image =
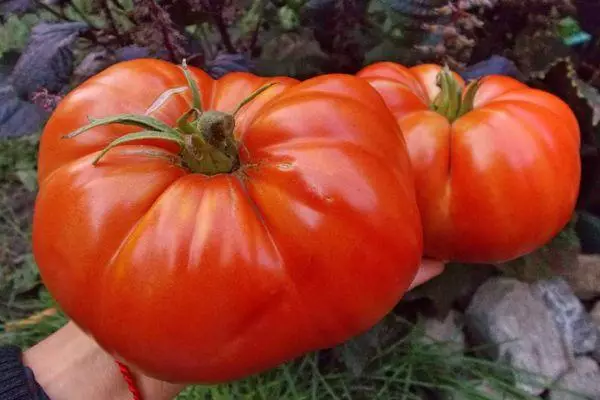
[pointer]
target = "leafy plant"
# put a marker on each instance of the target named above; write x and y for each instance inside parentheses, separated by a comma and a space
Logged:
(440, 31)
(14, 32)
(18, 272)
(544, 263)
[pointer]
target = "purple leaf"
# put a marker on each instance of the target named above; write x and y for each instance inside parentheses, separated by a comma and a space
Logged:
(225, 63)
(18, 117)
(132, 52)
(495, 65)
(15, 6)
(47, 61)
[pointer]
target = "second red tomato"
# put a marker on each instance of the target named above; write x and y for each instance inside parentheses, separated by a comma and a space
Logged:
(496, 164)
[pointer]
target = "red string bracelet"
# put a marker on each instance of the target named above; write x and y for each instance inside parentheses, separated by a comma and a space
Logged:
(128, 376)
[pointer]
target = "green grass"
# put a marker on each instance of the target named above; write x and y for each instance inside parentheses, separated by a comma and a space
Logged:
(403, 367)
(18, 154)
(19, 278)
(413, 374)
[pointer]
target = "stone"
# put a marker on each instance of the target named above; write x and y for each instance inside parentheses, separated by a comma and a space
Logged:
(484, 389)
(574, 323)
(514, 326)
(595, 314)
(455, 286)
(582, 382)
(583, 276)
(448, 330)
(356, 353)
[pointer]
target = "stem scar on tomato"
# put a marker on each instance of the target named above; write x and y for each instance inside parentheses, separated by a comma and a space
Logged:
(205, 138)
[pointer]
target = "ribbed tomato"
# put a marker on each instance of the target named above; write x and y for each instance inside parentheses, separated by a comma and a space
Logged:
(497, 165)
(195, 255)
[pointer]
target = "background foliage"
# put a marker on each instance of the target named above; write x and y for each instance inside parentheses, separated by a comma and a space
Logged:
(47, 47)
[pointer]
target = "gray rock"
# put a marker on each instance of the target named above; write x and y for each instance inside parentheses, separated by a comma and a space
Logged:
(574, 323)
(456, 285)
(487, 390)
(582, 382)
(583, 276)
(448, 330)
(357, 352)
(595, 314)
(515, 326)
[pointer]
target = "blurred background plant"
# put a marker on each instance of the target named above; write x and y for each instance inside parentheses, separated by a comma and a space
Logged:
(47, 47)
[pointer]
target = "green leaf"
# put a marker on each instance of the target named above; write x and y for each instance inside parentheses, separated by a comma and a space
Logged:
(125, 119)
(26, 276)
(546, 261)
(591, 95)
(85, 6)
(251, 97)
(561, 78)
(28, 178)
(15, 31)
(196, 99)
(386, 50)
(251, 18)
(288, 18)
(295, 54)
(139, 136)
(535, 50)
(17, 154)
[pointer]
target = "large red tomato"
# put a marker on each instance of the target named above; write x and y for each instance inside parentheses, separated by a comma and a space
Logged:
(194, 268)
(497, 165)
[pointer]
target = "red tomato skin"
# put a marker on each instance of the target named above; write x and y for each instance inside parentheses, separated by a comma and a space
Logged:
(195, 278)
(498, 182)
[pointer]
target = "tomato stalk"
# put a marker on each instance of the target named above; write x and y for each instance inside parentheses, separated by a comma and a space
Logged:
(205, 138)
(452, 102)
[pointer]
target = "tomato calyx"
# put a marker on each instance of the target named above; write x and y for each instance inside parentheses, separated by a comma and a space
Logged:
(208, 144)
(453, 102)
(205, 138)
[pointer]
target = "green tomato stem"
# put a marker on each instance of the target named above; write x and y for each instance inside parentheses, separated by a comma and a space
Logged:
(196, 99)
(451, 102)
(205, 138)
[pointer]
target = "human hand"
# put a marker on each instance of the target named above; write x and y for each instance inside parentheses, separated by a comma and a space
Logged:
(428, 270)
(70, 365)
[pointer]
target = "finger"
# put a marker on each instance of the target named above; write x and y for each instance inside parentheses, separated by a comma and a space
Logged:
(429, 269)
